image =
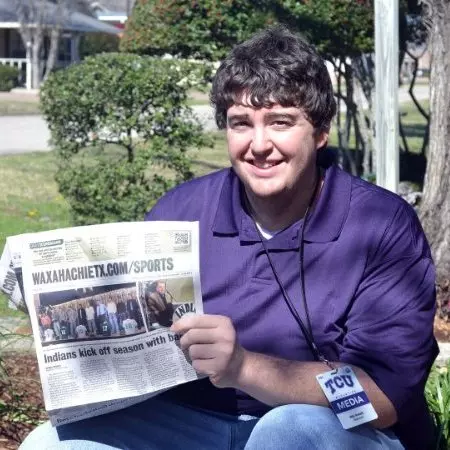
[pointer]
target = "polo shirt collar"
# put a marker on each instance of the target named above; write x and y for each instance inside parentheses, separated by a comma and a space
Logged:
(324, 225)
(328, 217)
(229, 207)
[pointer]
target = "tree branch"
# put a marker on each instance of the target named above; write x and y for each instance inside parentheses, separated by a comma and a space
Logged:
(411, 90)
(402, 134)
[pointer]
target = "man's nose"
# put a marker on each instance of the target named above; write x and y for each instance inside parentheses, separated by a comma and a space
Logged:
(261, 142)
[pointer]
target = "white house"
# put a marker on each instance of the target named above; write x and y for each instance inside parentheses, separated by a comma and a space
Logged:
(14, 53)
(114, 12)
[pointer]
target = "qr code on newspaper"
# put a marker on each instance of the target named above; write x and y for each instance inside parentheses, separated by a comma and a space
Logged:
(182, 238)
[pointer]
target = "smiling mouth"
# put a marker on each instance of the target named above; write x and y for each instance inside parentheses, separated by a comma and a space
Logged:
(264, 164)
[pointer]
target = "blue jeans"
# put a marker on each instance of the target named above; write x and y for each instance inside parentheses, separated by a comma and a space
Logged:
(158, 424)
(113, 321)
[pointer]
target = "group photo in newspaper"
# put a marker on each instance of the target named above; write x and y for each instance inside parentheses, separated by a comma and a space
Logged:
(112, 310)
(101, 300)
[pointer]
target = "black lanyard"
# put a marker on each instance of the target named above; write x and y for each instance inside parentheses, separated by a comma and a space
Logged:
(306, 329)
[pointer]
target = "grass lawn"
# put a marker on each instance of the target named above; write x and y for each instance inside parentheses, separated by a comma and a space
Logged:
(29, 200)
(10, 107)
(414, 126)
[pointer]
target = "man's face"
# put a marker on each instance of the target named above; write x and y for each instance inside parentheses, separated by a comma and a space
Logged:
(161, 288)
(273, 150)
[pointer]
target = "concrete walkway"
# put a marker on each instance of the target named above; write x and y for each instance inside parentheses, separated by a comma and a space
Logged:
(21, 134)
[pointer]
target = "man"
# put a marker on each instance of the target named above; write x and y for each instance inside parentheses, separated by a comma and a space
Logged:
(112, 313)
(160, 309)
(81, 331)
(45, 321)
(81, 315)
(49, 334)
(72, 315)
(105, 327)
(90, 317)
(64, 322)
(132, 307)
(121, 310)
(130, 326)
(101, 312)
(56, 322)
(302, 267)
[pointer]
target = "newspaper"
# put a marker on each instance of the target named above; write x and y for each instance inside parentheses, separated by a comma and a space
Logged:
(101, 300)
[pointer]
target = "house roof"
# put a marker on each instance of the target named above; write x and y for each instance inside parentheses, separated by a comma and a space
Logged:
(82, 22)
(72, 21)
(6, 13)
(117, 6)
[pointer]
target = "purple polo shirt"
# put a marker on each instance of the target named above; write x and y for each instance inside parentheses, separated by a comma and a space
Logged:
(369, 280)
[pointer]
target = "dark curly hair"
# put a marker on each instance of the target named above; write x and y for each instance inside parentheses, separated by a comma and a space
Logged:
(275, 66)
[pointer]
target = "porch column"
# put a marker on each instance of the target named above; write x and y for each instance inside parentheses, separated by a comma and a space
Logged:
(28, 67)
(74, 47)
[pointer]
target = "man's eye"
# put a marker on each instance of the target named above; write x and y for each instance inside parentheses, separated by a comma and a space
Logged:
(241, 124)
(281, 123)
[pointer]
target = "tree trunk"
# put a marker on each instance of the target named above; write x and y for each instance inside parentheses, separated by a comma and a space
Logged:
(365, 129)
(364, 76)
(348, 157)
(349, 116)
(34, 18)
(36, 63)
(435, 207)
(55, 35)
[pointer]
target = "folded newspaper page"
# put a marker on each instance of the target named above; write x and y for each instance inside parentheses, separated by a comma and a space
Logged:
(101, 299)
(10, 269)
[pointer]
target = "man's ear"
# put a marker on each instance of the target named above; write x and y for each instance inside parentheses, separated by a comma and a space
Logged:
(321, 137)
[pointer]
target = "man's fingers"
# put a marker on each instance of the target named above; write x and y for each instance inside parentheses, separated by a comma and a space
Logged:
(204, 366)
(199, 321)
(199, 336)
(202, 351)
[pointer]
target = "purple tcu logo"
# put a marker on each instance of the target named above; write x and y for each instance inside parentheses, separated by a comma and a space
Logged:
(338, 382)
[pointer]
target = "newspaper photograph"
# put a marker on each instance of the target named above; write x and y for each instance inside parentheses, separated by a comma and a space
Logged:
(101, 299)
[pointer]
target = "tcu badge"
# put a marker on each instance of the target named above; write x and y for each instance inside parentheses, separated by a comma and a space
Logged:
(181, 310)
(347, 397)
(338, 382)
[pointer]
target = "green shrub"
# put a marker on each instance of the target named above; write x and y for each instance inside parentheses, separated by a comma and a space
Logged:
(121, 129)
(8, 77)
(192, 29)
(438, 397)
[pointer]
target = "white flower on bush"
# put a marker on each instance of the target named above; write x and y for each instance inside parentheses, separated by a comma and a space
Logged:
(183, 82)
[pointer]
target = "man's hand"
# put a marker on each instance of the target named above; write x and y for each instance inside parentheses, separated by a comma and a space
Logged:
(214, 350)
(212, 345)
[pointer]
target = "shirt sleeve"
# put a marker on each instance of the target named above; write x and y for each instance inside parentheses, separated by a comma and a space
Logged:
(390, 324)
(164, 208)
